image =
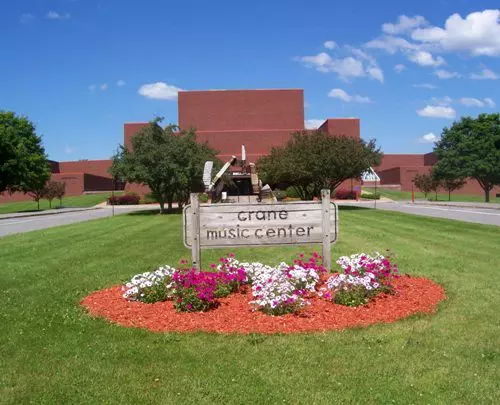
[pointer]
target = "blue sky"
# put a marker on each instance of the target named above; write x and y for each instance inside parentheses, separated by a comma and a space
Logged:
(81, 68)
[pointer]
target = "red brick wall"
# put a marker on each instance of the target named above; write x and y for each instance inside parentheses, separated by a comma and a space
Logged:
(75, 182)
(399, 160)
(241, 110)
(390, 176)
(129, 130)
(97, 183)
(95, 167)
(342, 126)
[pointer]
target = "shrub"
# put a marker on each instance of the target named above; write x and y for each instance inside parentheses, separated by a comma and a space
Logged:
(126, 199)
(280, 194)
(203, 198)
(372, 196)
(344, 194)
(292, 192)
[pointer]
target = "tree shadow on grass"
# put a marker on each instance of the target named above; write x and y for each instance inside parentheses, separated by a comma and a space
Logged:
(175, 211)
(352, 208)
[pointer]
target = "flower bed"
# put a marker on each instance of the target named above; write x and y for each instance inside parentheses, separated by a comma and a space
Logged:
(252, 297)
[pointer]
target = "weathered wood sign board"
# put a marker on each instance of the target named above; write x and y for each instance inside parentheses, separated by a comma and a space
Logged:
(260, 224)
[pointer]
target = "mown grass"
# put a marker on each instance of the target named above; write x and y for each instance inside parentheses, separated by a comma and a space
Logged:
(84, 200)
(406, 195)
(53, 353)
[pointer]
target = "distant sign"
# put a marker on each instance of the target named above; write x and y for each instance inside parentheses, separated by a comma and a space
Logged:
(260, 224)
(370, 175)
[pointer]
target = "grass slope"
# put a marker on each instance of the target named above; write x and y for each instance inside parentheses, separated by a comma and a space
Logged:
(84, 200)
(52, 352)
(406, 195)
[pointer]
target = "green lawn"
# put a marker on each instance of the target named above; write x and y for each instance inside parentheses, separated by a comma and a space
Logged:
(53, 353)
(84, 200)
(406, 195)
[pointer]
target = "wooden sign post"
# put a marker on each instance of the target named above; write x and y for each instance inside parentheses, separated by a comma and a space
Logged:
(260, 224)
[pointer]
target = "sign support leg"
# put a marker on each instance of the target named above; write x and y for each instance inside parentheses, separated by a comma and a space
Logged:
(195, 223)
(325, 225)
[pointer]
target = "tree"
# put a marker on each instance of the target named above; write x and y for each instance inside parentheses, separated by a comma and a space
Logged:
(59, 190)
(471, 148)
(37, 193)
(23, 163)
(426, 183)
(449, 181)
(167, 160)
(54, 189)
(312, 161)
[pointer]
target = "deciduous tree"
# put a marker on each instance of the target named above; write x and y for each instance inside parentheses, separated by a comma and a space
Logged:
(168, 160)
(312, 161)
(471, 148)
(426, 183)
(23, 163)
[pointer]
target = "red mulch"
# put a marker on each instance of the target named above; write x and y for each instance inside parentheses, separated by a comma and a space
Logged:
(235, 315)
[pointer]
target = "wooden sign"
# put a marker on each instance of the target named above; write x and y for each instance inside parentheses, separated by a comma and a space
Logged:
(260, 224)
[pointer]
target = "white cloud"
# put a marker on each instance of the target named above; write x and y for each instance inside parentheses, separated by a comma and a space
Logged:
(489, 102)
(437, 111)
(330, 44)
(399, 68)
(54, 15)
(159, 91)
(347, 67)
(446, 101)
(342, 95)
(475, 102)
(391, 44)
(376, 73)
(69, 150)
(425, 86)
(486, 74)
(27, 18)
(477, 34)
(120, 83)
(445, 74)
(428, 138)
(103, 86)
(404, 24)
(424, 58)
(313, 123)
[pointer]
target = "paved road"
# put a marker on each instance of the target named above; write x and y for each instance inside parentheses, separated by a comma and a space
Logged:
(19, 225)
(478, 215)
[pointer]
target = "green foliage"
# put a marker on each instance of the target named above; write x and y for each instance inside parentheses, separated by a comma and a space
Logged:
(203, 198)
(280, 194)
(353, 296)
(292, 192)
(313, 161)
(471, 148)
(168, 160)
(371, 196)
(54, 189)
(426, 183)
(23, 163)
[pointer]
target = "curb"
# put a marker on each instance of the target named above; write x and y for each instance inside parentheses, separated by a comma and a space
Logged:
(41, 214)
(465, 205)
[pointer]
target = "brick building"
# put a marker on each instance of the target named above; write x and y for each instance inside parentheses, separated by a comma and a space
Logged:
(226, 119)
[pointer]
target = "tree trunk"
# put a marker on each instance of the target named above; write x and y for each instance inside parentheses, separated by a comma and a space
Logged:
(436, 195)
(50, 203)
(162, 206)
(487, 195)
(38, 202)
(449, 195)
